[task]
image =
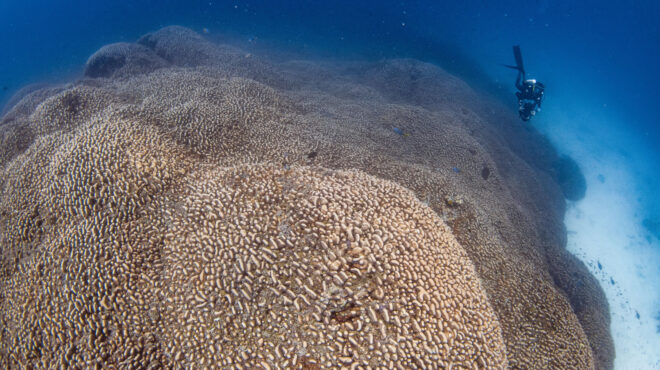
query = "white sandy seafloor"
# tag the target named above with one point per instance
(605, 231)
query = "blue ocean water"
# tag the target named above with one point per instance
(598, 60)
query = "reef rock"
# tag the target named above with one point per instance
(570, 178)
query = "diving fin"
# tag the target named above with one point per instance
(519, 62)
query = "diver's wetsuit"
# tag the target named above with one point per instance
(530, 95)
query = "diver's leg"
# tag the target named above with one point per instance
(519, 84)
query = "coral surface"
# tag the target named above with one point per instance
(188, 202)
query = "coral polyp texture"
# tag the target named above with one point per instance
(312, 267)
(188, 204)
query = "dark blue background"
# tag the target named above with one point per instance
(599, 59)
(610, 46)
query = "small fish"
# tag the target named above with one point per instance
(456, 169)
(600, 267)
(637, 314)
(398, 131)
(611, 281)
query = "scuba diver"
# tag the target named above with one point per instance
(530, 92)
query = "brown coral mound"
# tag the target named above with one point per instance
(121, 260)
(122, 59)
(306, 266)
(114, 175)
